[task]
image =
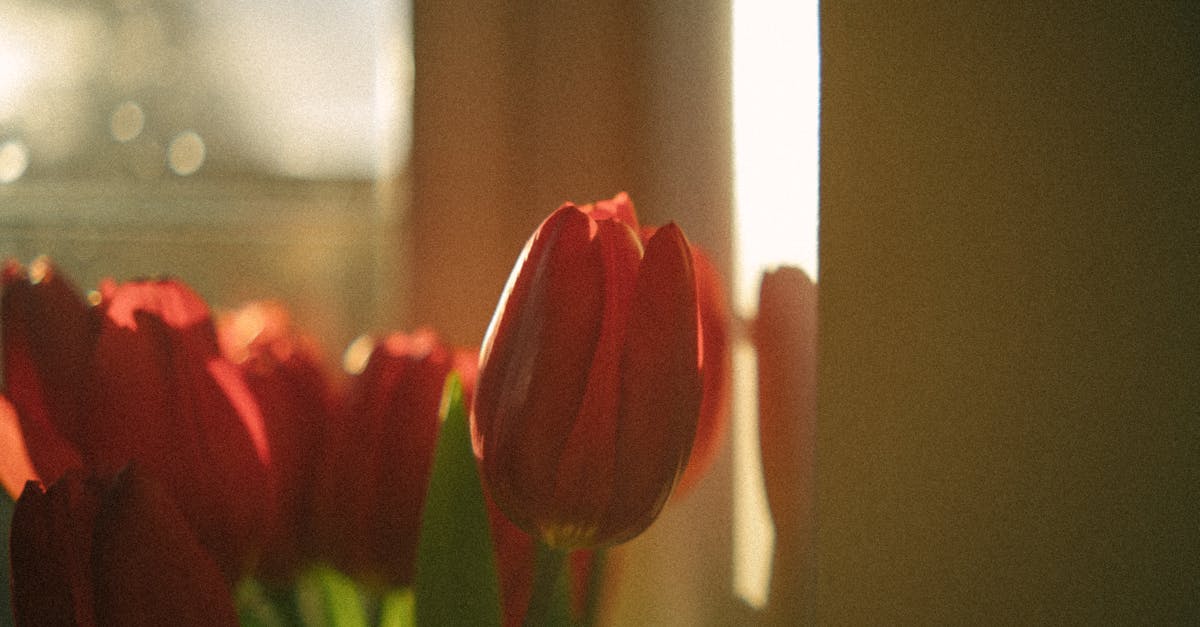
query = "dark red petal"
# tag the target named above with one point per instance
(535, 361)
(785, 336)
(47, 339)
(23, 441)
(660, 385)
(584, 478)
(51, 541)
(164, 397)
(372, 489)
(715, 369)
(147, 566)
(282, 369)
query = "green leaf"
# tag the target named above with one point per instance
(398, 608)
(327, 597)
(255, 607)
(456, 581)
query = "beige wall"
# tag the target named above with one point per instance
(522, 106)
(1009, 232)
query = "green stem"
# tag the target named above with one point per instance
(550, 602)
(595, 587)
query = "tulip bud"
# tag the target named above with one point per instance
(282, 368)
(375, 472)
(137, 377)
(589, 384)
(46, 339)
(162, 394)
(92, 552)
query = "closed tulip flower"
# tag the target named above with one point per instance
(589, 384)
(45, 332)
(91, 552)
(282, 368)
(379, 454)
(137, 377)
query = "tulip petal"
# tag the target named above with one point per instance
(619, 208)
(147, 566)
(282, 369)
(586, 468)
(51, 541)
(535, 361)
(165, 398)
(660, 385)
(55, 454)
(371, 490)
(715, 370)
(46, 342)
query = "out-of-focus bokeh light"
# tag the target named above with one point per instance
(776, 95)
(14, 159)
(127, 121)
(355, 359)
(185, 155)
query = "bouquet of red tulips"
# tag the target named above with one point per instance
(172, 466)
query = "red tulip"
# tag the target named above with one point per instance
(282, 368)
(45, 331)
(785, 338)
(91, 552)
(371, 489)
(138, 377)
(589, 383)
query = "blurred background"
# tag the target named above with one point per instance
(379, 165)
(251, 149)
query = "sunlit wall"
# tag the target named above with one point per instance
(775, 119)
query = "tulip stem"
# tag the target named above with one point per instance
(550, 603)
(595, 587)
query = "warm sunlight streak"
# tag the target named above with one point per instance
(776, 60)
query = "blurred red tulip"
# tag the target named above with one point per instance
(283, 369)
(137, 377)
(589, 384)
(785, 339)
(375, 471)
(45, 331)
(92, 552)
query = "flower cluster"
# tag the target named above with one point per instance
(160, 454)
